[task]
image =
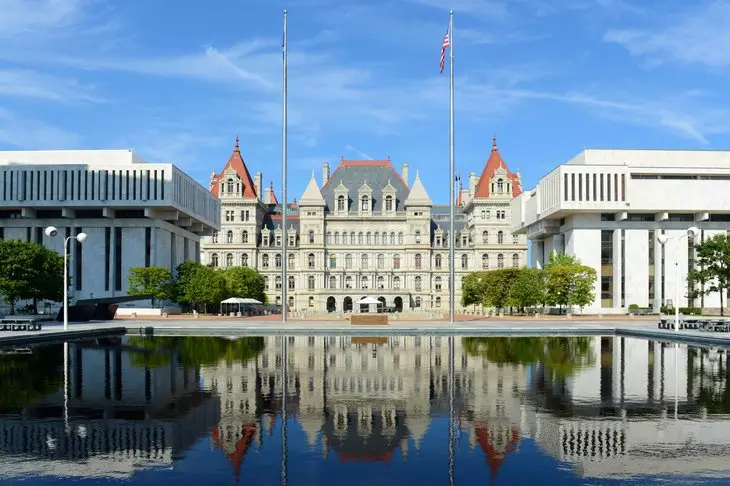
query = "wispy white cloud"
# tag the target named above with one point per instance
(17, 131)
(698, 36)
(26, 83)
(25, 16)
(359, 152)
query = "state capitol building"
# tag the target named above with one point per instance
(367, 230)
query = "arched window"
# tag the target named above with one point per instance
(500, 237)
(266, 283)
(229, 189)
(438, 301)
(396, 283)
(214, 260)
(388, 203)
(292, 260)
(515, 239)
(437, 283)
(437, 261)
(310, 282)
(244, 236)
(364, 282)
(418, 283)
(352, 238)
(381, 282)
(333, 282)
(348, 261)
(381, 261)
(337, 237)
(369, 238)
(364, 262)
(265, 261)
(229, 236)
(400, 238)
(485, 237)
(277, 260)
(396, 261)
(311, 302)
(291, 283)
(385, 238)
(485, 261)
(360, 239)
(418, 302)
(500, 186)
(515, 260)
(340, 202)
(215, 237)
(310, 260)
(418, 260)
(348, 282)
(392, 238)
(418, 236)
(500, 261)
(277, 283)
(244, 260)
(291, 303)
(464, 261)
(311, 237)
(333, 261)
(376, 237)
(229, 259)
(365, 203)
(329, 237)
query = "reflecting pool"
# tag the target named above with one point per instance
(371, 410)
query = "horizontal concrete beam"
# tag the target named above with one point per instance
(68, 213)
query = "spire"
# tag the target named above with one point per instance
(312, 195)
(494, 143)
(418, 195)
(236, 148)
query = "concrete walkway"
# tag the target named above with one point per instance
(646, 329)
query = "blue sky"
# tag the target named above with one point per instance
(176, 81)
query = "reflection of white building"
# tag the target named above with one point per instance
(119, 417)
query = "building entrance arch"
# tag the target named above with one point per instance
(331, 304)
(347, 304)
(398, 304)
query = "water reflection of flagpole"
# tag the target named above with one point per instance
(676, 379)
(67, 427)
(283, 409)
(451, 410)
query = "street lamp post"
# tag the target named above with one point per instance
(692, 232)
(51, 232)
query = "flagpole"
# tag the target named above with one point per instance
(284, 206)
(452, 239)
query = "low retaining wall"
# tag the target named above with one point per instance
(369, 319)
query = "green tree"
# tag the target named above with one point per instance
(584, 280)
(200, 285)
(560, 259)
(569, 285)
(29, 271)
(528, 288)
(713, 262)
(156, 282)
(245, 282)
(498, 285)
(472, 289)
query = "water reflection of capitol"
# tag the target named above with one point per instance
(367, 399)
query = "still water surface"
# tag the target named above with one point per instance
(385, 411)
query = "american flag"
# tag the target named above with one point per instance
(444, 45)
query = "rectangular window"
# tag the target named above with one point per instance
(155, 186)
(117, 259)
(608, 187)
(580, 187)
(147, 246)
(615, 187)
(126, 185)
(79, 262)
(607, 268)
(588, 187)
(572, 187)
(565, 185)
(623, 187)
(162, 184)
(28, 235)
(39, 236)
(107, 256)
(601, 185)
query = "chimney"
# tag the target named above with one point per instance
(267, 195)
(472, 182)
(404, 173)
(325, 173)
(257, 184)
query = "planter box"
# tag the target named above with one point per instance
(369, 319)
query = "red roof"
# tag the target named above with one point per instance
(239, 453)
(236, 163)
(495, 162)
(496, 457)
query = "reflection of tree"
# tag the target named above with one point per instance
(28, 377)
(193, 351)
(714, 384)
(561, 356)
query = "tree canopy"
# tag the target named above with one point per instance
(29, 271)
(712, 269)
(156, 282)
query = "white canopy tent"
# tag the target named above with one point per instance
(239, 301)
(369, 300)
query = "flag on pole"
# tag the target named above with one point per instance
(444, 45)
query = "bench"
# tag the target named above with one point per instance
(20, 324)
(369, 319)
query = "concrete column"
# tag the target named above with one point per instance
(617, 259)
(658, 270)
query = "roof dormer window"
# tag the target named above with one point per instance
(365, 203)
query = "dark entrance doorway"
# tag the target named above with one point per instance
(381, 306)
(398, 304)
(347, 304)
(331, 304)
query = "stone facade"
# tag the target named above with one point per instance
(364, 232)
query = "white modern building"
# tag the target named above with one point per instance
(608, 208)
(135, 213)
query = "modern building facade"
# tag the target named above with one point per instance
(607, 207)
(366, 231)
(135, 214)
